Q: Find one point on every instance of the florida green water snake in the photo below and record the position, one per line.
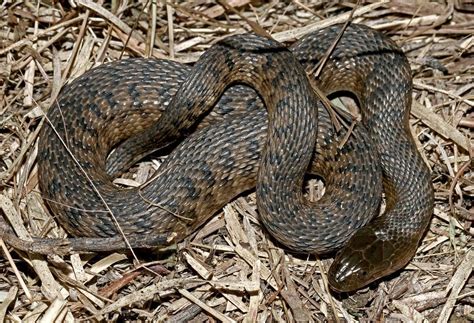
(119, 112)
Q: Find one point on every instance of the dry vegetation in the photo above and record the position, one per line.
(230, 270)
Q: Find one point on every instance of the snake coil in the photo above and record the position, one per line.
(117, 113)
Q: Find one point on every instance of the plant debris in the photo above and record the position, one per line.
(230, 270)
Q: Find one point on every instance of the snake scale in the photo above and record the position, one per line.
(249, 118)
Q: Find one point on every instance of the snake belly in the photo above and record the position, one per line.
(117, 113)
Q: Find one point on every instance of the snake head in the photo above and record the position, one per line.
(369, 255)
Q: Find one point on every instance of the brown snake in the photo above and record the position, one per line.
(113, 116)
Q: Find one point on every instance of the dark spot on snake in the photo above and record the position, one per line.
(281, 105)
(188, 184)
(43, 154)
(132, 91)
(77, 142)
(268, 62)
(277, 158)
(74, 216)
(229, 62)
(86, 164)
(229, 156)
(87, 126)
(208, 175)
(253, 145)
(353, 169)
(289, 87)
(54, 186)
(254, 100)
(276, 83)
(94, 108)
(224, 105)
(105, 230)
(346, 149)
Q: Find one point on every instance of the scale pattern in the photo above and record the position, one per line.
(266, 133)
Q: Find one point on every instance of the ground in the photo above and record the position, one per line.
(230, 269)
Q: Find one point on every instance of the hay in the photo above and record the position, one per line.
(230, 270)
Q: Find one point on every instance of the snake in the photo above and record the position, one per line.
(247, 116)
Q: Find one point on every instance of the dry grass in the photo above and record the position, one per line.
(230, 270)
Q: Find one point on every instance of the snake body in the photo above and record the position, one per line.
(117, 113)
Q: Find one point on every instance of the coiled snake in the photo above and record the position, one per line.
(115, 114)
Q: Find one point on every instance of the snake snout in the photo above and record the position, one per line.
(371, 253)
(348, 271)
(355, 265)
